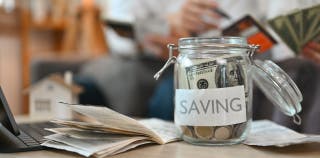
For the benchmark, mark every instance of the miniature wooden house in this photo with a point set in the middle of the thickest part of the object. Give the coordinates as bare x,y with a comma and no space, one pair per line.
44,97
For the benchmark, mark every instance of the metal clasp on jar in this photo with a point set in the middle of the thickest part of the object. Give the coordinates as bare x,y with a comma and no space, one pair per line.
171,60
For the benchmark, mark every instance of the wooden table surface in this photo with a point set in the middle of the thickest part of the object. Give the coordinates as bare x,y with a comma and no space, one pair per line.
184,150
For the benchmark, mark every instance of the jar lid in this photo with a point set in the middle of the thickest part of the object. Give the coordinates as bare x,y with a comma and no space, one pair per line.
278,87
213,43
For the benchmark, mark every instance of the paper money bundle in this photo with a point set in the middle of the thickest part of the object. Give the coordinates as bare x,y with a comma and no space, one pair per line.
298,28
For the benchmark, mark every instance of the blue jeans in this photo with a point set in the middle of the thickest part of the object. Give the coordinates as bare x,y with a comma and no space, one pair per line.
161,103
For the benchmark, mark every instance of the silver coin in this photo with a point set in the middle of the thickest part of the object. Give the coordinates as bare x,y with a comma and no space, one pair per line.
223,132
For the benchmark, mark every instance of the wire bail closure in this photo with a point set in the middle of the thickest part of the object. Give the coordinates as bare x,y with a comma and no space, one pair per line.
171,60
252,50
296,119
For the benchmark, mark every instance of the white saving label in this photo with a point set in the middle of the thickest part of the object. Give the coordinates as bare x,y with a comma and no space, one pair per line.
210,107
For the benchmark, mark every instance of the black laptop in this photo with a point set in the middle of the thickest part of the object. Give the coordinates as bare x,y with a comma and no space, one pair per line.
22,137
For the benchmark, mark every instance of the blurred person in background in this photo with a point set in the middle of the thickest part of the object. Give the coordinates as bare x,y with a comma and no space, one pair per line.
196,17
191,17
128,83
160,23
189,20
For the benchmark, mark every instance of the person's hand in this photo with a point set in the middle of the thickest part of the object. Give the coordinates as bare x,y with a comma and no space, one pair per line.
194,17
157,44
312,51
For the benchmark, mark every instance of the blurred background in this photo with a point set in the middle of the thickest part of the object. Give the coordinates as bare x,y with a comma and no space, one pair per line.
50,30
112,48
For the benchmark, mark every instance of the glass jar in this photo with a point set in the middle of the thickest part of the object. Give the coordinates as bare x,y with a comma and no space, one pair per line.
213,89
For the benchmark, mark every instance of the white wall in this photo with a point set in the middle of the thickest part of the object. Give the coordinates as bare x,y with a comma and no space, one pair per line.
10,71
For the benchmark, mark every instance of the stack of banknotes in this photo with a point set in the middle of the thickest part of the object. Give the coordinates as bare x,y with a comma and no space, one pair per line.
298,27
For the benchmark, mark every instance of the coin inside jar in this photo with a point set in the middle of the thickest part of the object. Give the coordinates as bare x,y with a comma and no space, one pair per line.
203,132
188,131
239,129
223,133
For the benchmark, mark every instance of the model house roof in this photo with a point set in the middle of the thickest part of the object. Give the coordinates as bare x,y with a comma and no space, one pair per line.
59,80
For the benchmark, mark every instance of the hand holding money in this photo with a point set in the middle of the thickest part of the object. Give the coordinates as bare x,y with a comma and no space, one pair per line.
312,51
300,31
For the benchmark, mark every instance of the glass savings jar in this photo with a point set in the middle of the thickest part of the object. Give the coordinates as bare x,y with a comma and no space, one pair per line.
213,88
